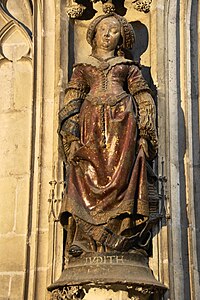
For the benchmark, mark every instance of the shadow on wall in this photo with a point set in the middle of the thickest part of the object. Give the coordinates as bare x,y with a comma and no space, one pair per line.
140,46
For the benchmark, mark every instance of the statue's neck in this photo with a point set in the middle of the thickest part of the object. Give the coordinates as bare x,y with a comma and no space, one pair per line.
102,54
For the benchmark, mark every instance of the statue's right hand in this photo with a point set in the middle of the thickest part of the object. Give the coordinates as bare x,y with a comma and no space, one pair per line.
75,145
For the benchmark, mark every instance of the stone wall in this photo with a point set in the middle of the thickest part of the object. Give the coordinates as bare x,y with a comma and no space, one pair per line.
39,44
16,85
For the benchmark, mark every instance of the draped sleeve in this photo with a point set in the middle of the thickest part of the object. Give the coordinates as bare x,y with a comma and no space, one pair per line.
141,92
76,91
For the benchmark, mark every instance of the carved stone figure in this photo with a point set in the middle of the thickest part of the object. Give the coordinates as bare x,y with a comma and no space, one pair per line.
107,126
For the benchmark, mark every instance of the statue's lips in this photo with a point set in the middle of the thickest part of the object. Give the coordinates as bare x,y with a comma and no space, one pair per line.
106,40
106,43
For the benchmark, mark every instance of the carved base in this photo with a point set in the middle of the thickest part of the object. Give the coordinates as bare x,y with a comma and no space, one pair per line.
79,293
114,270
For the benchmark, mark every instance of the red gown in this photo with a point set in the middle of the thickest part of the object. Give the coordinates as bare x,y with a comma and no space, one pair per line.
107,177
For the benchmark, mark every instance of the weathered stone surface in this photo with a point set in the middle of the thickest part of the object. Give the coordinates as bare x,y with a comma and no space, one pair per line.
23,96
21,10
15,138
21,211
40,291
16,291
6,98
43,242
14,96
4,286
7,204
14,204
16,82
12,253
108,268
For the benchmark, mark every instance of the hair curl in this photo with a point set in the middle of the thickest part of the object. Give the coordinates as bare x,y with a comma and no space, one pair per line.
127,32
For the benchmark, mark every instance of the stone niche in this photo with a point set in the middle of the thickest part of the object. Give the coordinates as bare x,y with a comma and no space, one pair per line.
40,42
116,276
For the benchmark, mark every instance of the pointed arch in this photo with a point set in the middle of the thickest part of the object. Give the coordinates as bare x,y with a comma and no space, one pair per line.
15,42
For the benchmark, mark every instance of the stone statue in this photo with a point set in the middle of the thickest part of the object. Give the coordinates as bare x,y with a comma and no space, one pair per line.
108,132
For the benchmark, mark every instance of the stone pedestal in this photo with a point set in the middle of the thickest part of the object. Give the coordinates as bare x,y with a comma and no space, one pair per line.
113,276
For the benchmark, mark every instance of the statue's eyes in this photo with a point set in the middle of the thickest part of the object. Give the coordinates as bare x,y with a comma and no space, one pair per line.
114,30
102,28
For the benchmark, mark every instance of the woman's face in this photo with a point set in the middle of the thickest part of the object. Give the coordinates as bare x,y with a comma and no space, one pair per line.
108,34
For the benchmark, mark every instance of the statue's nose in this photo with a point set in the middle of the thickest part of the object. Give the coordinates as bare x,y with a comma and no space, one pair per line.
107,33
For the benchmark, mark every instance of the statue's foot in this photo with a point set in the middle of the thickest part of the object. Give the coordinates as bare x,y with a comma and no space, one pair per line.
75,251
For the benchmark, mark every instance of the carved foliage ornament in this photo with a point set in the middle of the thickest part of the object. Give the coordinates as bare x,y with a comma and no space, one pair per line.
68,293
75,10
143,6
78,293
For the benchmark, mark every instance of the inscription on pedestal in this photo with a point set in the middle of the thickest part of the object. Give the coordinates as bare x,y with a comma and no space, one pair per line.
96,260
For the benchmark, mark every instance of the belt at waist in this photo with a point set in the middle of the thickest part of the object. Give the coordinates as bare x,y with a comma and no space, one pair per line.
110,100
